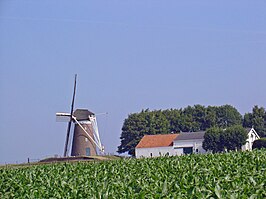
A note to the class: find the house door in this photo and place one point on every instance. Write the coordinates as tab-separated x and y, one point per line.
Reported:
88	151
187	150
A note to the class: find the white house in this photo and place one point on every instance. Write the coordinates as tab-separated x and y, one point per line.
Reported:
178	144
252	136
155	145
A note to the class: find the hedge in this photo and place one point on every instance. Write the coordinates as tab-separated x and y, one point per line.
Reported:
260	143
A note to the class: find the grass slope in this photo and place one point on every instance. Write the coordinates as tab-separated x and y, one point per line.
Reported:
227	175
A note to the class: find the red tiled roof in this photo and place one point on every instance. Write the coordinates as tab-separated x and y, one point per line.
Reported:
161	140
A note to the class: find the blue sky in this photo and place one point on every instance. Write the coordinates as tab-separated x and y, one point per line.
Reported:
129	55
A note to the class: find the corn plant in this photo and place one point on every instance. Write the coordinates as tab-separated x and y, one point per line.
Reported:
225	175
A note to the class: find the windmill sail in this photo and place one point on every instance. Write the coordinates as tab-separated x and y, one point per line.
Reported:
70	119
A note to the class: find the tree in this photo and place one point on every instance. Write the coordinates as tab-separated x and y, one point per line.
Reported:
212	139
247	121
227	116
210	119
217	139
173	116
233	137
157	123
139	124
133	129
199	115
256	119
187	123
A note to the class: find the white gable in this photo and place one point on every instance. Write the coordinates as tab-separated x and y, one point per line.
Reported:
252	136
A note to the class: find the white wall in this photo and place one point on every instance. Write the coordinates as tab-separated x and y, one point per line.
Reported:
176	149
157	151
195	144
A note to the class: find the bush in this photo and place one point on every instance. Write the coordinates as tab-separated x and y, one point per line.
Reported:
260	143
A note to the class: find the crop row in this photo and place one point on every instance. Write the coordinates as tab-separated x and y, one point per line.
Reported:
226	175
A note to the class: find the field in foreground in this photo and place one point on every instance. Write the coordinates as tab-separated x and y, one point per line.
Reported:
228	175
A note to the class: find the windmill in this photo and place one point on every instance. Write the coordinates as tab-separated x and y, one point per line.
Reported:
86	140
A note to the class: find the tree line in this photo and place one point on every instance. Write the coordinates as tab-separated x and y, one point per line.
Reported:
189	119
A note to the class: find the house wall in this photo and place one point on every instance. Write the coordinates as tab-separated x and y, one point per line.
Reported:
195	144
157	152
176	149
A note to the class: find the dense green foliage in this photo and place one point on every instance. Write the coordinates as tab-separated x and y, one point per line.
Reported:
260	143
256	119
218	139
189	119
225	175
233	137
212	140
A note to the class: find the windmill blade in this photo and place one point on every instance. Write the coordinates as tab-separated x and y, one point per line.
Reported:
70	119
67	137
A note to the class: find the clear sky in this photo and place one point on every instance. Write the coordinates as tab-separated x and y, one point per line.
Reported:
129	56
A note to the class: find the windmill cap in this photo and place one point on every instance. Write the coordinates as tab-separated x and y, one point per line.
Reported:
83	114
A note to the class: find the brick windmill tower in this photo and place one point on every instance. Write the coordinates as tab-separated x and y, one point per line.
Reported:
85	140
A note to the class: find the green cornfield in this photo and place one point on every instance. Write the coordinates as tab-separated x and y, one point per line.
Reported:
227	175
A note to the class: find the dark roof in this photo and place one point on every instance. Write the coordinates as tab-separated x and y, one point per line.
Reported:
82	114
191	135
161	140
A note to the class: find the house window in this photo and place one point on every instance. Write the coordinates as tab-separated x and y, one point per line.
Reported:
151	154
252	137
187	150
